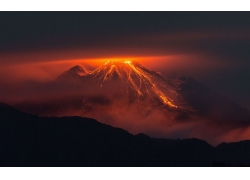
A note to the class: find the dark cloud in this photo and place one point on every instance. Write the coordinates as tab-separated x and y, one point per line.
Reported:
25	30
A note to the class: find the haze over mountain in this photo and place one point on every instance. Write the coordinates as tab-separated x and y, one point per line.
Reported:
130	96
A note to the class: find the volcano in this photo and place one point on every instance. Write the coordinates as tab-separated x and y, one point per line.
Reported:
125	94
127	85
133	80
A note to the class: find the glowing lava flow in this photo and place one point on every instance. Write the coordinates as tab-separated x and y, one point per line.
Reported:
128	70
154	87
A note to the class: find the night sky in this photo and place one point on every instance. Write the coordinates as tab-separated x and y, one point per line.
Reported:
211	47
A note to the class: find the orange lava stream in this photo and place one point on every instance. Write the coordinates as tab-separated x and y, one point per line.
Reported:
129	68
154	87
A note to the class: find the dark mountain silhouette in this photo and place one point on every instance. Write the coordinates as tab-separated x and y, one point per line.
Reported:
211	104
29	140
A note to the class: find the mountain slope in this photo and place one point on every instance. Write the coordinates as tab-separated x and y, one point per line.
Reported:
135	79
210	104
73	74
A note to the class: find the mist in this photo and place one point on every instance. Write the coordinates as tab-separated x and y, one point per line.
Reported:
72	99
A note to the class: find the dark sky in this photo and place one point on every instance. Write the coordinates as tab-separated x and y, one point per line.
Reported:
218	38
43	30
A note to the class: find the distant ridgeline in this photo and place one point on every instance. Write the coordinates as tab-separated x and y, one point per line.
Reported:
29	140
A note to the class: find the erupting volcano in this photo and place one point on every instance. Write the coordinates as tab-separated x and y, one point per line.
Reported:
127	95
136	80
126	82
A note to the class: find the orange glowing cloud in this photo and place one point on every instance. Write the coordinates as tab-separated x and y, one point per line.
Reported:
162	52
47	66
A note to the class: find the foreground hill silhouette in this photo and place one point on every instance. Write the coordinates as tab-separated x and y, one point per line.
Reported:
29	140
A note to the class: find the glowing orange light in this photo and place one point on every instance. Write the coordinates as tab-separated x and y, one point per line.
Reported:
125	69
127	62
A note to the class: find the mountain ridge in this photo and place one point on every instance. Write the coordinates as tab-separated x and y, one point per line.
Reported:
73	74
76	141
